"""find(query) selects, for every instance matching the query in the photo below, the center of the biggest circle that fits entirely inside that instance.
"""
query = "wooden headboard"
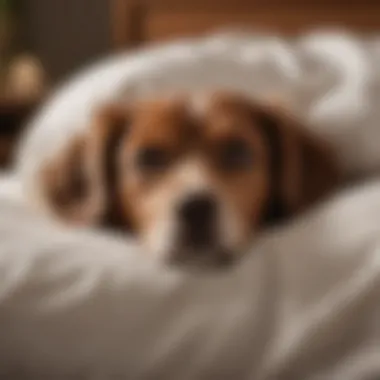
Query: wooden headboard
(135, 22)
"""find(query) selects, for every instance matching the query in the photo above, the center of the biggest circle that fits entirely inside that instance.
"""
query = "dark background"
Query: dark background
(64, 49)
(68, 34)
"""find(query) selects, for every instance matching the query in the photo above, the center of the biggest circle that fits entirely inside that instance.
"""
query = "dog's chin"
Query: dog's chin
(205, 258)
(175, 250)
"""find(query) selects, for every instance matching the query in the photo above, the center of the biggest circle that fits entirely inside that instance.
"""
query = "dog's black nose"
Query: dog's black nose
(197, 215)
(198, 209)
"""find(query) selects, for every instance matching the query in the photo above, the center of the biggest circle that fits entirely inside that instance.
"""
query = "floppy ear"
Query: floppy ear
(318, 170)
(64, 184)
(80, 184)
(303, 168)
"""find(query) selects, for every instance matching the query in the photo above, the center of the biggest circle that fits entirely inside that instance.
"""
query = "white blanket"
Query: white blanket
(303, 304)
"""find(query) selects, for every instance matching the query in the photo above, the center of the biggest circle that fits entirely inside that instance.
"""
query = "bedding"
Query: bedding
(302, 304)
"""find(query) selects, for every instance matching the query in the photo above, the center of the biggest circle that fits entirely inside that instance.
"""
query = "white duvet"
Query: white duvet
(303, 304)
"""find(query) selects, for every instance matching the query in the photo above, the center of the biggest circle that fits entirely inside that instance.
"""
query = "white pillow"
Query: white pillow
(304, 304)
(329, 79)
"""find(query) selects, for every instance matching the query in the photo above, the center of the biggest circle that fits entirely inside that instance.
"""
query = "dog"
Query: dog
(196, 178)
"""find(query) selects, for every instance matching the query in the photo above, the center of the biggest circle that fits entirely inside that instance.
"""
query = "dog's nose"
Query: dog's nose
(197, 215)
(198, 209)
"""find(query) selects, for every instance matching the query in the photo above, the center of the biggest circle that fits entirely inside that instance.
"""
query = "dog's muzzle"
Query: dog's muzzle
(198, 231)
(197, 218)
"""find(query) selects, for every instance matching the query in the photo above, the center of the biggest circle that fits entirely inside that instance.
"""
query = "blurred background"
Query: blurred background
(43, 41)
(62, 34)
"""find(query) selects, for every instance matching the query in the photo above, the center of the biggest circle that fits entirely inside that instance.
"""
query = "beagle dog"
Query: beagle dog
(194, 178)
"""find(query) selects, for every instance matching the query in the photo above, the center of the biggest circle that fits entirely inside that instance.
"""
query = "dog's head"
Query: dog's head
(194, 178)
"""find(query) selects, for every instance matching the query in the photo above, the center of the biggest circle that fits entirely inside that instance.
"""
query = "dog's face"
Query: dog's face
(193, 178)
(193, 181)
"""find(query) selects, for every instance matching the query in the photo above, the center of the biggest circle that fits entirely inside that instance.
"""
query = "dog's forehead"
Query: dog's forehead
(221, 113)
(158, 119)
(204, 105)
(171, 118)
(165, 111)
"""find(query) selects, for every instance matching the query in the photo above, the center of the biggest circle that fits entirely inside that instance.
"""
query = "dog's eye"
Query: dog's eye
(235, 155)
(152, 159)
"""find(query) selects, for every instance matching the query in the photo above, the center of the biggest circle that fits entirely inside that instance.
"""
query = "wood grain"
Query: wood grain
(161, 25)
(138, 21)
(126, 23)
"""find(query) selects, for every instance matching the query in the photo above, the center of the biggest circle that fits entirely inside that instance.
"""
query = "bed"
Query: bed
(304, 301)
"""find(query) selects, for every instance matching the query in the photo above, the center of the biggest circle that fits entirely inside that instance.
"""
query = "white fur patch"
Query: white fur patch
(198, 104)
(192, 176)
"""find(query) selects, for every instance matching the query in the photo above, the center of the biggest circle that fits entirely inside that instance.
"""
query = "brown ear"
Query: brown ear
(317, 169)
(303, 168)
(78, 184)
(64, 184)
